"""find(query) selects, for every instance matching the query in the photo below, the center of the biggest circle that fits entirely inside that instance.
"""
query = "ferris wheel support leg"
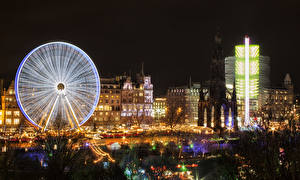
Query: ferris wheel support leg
(73, 113)
(47, 121)
(69, 118)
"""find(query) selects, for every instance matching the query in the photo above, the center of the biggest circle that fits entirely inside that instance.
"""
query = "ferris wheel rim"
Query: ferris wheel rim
(95, 71)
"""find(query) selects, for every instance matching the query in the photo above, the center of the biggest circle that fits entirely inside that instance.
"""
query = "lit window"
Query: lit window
(8, 112)
(17, 113)
(0, 121)
(8, 121)
(10, 91)
(0, 113)
(17, 121)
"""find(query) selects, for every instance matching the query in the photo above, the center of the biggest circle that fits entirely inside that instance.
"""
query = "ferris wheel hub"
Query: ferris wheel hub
(61, 87)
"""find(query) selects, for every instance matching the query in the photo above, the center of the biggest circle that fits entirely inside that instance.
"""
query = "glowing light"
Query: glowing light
(230, 118)
(212, 116)
(222, 117)
(64, 81)
(247, 80)
(47, 121)
(205, 118)
(99, 152)
(247, 75)
(273, 128)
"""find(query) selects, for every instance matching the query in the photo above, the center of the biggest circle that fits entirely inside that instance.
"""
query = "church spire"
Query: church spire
(233, 97)
(142, 70)
(217, 70)
(218, 39)
(190, 82)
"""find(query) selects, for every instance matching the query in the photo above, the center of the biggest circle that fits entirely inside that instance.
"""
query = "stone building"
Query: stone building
(108, 110)
(11, 118)
(137, 100)
(186, 97)
(280, 103)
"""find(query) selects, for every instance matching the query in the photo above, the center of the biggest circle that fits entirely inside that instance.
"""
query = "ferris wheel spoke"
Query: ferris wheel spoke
(76, 72)
(43, 65)
(31, 72)
(72, 64)
(78, 100)
(38, 98)
(81, 66)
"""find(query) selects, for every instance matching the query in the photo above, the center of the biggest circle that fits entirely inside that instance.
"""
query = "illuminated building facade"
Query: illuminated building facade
(249, 71)
(280, 104)
(159, 109)
(137, 100)
(108, 111)
(185, 97)
(11, 118)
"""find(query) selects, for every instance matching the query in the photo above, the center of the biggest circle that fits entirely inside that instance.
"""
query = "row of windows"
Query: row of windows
(110, 91)
(107, 96)
(107, 119)
(107, 101)
(279, 97)
(9, 113)
(109, 86)
(9, 121)
(109, 113)
(8, 99)
(108, 108)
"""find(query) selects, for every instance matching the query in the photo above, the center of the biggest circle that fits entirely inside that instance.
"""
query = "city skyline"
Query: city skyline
(149, 89)
(173, 41)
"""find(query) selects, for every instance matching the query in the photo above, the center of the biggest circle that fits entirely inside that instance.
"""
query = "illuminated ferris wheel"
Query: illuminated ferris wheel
(57, 85)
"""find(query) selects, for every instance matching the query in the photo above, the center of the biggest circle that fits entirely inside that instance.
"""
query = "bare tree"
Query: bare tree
(175, 114)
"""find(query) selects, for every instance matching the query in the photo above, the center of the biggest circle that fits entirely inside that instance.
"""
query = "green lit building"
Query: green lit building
(249, 72)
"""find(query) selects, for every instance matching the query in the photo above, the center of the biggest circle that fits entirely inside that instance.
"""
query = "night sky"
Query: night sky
(174, 38)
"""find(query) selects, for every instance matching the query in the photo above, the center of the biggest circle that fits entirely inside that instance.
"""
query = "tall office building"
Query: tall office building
(249, 71)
